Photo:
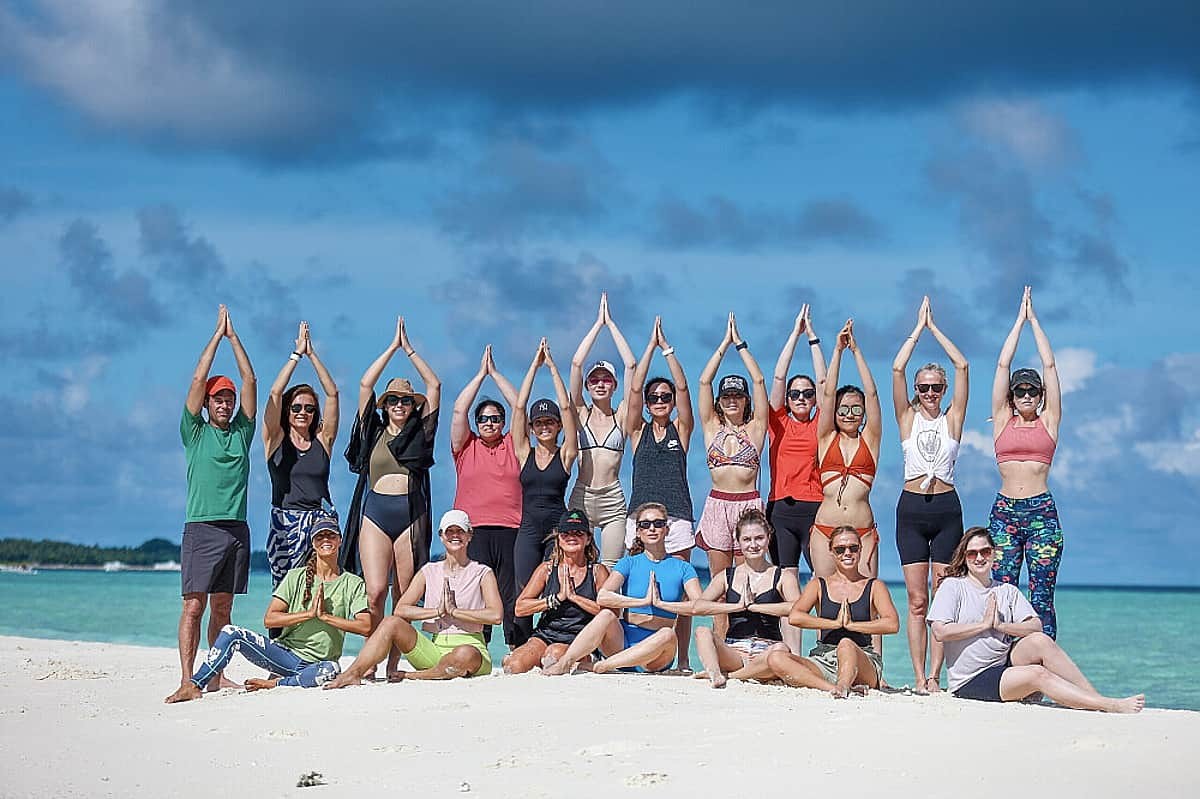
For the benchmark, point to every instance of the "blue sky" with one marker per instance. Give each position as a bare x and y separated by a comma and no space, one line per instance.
487,171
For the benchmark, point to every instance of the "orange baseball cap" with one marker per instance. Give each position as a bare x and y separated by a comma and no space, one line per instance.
218,383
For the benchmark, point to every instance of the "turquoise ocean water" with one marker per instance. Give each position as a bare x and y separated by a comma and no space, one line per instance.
1126,640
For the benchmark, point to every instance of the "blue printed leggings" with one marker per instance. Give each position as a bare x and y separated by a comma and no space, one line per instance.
264,654
1029,528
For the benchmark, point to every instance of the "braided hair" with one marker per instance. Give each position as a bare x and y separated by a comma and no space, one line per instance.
310,574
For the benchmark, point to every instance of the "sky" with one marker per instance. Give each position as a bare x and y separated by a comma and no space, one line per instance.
487,170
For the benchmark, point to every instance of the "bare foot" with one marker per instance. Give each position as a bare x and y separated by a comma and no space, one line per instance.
396,676
861,690
700,675
601,667
718,680
254,684
933,685
1130,704
187,692
548,660
556,669
344,679
839,692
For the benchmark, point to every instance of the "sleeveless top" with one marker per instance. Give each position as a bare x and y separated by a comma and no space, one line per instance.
613,440
860,610
747,454
930,451
749,624
660,473
468,595
1025,443
568,619
299,478
382,461
542,493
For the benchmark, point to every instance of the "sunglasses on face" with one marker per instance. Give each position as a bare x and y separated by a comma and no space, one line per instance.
600,380
309,409
1030,391
842,549
930,388
975,554
392,401
797,393
326,534
659,399
646,524
850,410
572,533
489,418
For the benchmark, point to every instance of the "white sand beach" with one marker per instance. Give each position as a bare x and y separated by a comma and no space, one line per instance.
87,719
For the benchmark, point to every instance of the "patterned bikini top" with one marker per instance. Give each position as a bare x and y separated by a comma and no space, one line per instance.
746,455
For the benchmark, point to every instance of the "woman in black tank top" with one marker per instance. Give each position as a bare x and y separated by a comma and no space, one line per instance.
545,471
563,591
850,609
747,603
297,442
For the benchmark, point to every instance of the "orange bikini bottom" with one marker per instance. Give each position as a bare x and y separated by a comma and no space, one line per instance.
827,530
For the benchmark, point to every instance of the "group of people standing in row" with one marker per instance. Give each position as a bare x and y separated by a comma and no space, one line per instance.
520,547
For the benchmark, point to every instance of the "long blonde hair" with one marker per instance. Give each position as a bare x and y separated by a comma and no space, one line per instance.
929,367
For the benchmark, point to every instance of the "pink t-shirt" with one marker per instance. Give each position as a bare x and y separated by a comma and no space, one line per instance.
489,483
468,595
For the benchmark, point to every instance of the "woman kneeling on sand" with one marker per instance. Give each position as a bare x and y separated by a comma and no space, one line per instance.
850,609
979,618
746,603
315,605
563,591
460,596
650,588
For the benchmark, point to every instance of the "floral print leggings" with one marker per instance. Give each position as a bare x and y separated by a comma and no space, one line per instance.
1029,528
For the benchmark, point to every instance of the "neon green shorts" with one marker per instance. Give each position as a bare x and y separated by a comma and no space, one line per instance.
429,650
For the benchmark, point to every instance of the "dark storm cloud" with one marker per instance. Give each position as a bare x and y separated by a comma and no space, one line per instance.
721,222
319,81
125,298
181,258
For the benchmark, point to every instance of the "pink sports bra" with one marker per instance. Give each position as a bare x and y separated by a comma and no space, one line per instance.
1025,443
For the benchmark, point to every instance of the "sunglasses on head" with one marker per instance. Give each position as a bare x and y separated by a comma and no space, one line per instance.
486,418
797,393
655,399
391,401
1026,391
975,554
842,549
646,524
850,410
930,388
297,407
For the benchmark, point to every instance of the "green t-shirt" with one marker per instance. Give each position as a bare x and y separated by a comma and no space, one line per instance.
218,467
314,640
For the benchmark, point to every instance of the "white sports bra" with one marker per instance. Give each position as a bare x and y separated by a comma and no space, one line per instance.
929,451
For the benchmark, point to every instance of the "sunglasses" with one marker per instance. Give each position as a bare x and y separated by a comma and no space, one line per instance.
646,524
326,534
850,410
797,393
601,379
1026,392
975,554
309,409
489,418
842,549
657,399
930,388
391,401
572,533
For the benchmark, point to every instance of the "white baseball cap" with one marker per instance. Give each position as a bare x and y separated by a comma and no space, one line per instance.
455,518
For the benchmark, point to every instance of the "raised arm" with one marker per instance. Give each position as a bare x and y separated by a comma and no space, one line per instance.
329,419
433,386
245,370
366,386
1052,410
634,421
195,395
874,423
704,400
623,348
758,383
814,349
581,354
520,409
958,403
827,396
899,366
506,388
685,420
779,379
272,431
460,419
570,424
1000,409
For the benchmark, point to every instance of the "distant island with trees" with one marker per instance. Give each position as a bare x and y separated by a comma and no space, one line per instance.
17,551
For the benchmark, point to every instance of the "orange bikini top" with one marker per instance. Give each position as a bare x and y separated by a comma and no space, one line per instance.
861,466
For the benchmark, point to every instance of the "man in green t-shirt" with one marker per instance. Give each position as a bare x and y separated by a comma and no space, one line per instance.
216,540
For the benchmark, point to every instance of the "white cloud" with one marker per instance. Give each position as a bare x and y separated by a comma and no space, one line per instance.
1180,457
1038,137
1075,366
980,442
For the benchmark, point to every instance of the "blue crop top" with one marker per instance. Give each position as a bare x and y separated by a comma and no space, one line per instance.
670,574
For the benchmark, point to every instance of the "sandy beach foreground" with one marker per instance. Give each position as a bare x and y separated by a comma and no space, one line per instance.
87,719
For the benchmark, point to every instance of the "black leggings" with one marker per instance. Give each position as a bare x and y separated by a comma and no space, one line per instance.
793,520
493,546
928,527
531,550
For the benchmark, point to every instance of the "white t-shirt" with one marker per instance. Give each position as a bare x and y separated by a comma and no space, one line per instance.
961,600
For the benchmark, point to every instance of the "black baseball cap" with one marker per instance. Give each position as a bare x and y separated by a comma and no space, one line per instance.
574,521
543,408
1027,376
733,384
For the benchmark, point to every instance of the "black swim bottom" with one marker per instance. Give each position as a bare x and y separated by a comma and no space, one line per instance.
215,557
985,686
928,527
793,520
389,512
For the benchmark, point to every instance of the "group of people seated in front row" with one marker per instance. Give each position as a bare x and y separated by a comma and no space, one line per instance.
994,644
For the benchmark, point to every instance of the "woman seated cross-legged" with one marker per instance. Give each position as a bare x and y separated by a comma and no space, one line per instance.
650,589
850,609
995,648
459,597
746,602
563,590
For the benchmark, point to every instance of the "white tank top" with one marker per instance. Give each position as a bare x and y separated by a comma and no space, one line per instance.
929,451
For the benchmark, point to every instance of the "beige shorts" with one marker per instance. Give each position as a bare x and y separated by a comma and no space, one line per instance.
680,535
825,656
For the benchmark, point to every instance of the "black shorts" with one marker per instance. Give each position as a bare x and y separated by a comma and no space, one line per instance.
985,686
928,527
793,520
215,557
